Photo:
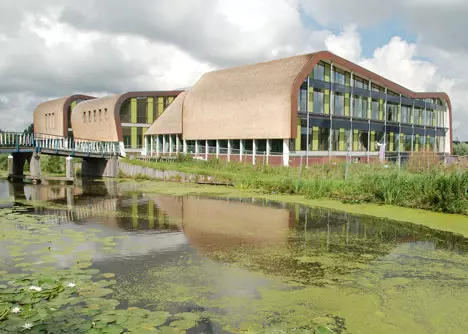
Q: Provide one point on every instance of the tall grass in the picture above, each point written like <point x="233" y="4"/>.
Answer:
<point x="437" y="189"/>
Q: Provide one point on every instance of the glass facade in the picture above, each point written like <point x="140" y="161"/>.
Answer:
<point x="351" y="113"/>
<point x="136" y="116"/>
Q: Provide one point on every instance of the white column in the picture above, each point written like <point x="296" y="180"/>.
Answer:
<point x="158" y="140"/>
<point x="217" y="149"/>
<point x="241" y="151"/>
<point x="207" y="147"/>
<point x="164" y="150"/>
<point x="286" y="152"/>
<point x="184" y="148"/>
<point x="229" y="150"/>
<point x="151" y="138"/>
<point x="170" y="144"/>
<point x="177" y="144"/>
<point x="268" y="150"/>
<point x="254" y="152"/>
<point x="196" y="147"/>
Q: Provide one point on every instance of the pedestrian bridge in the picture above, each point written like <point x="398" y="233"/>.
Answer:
<point x="99" y="157"/>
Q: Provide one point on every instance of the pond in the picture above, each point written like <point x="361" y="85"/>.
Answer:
<point x="105" y="257"/>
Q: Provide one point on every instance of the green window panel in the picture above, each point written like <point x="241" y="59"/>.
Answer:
<point x="381" y="110"/>
<point x="170" y="100"/>
<point x="310" y="106"/>
<point x="369" y="107"/>
<point x="355" y="140"/>
<point x="347" y="104"/>
<point x="134" y="140"/>
<point x="428" y="145"/>
<point x="326" y="102"/>
<point x="391" y="142"/>
<point x="399" y="113"/>
<point x="150" y="110"/>
<point x="327" y="72"/>
<point x="434" y="118"/>
<point x="133" y="110"/>
<point x="299" y="135"/>
<point x="372" y="141"/>
<point x="341" y="137"/>
<point x="347" y="79"/>
<point x="315" y="138"/>
<point x="402" y="142"/>
<point x="416" y="143"/>
<point x="160" y="105"/>
<point x="73" y="104"/>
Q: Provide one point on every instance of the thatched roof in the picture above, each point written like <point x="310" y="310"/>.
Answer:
<point x="248" y="102"/>
<point x="170" y="122"/>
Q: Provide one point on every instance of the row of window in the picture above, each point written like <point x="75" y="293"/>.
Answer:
<point x="50" y="121"/>
<point x="95" y="116"/>
<point x="158" y="105"/>
<point x="324" y="139"/>
<point x="360" y="109"/>
<point x="322" y="72"/>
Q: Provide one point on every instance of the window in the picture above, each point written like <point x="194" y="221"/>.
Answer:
<point x="142" y="110"/>
<point x="127" y="136"/>
<point x="429" y="117"/>
<point x="392" y="112"/>
<point x="304" y="135"/>
<point x="360" y="83"/>
<point x="338" y="77"/>
<point x="100" y="116"/>
<point x="94" y="116"/>
<point x="105" y="114"/>
<point x="84" y="116"/>
<point x="417" y="116"/>
<point x="302" y="104"/>
<point x="375" y="109"/>
<point x="408" y="142"/>
<point x="430" y="143"/>
<point x="376" y="88"/>
<point x="319" y="72"/>
<point x="324" y="137"/>
<point x="422" y="143"/>
<point x="338" y="104"/>
<point x="89" y="116"/>
<point x="405" y="114"/>
<point x="318" y="101"/>
<point x="359" y="107"/>
<point x="361" y="141"/>
<point x="125" y="113"/>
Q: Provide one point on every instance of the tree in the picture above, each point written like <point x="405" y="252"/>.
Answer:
<point x="460" y="149"/>
<point x="29" y="129"/>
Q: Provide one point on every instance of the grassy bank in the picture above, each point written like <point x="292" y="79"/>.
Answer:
<point x="436" y="190"/>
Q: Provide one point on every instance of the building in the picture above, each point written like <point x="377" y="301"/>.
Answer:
<point x="123" y="118"/>
<point x="297" y="109"/>
<point x="53" y="118"/>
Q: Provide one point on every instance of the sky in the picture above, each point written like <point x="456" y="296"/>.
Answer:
<point x="55" y="48"/>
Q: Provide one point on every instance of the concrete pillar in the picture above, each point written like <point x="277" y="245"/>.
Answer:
<point x="254" y="152"/>
<point x="196" y="147"/>
<point x="286" y="152"/>
<point x="70" y="198"/>
<point x="10" y="166"/>
<point x="184" y="146"/>
<point x="217" y="149"/>
<point x="229" y="150"/>
<point x="242" y="149"/>
<point x="207" y="148"/>
<point x="171" y="144"/>
<point x="268" y="150"/>
<point x="177" y="144"/>
<point x="164" y="149"/>
<point x="69" y="168"/>
<point x="97" y="167"/>
<point x="35" y="167"/>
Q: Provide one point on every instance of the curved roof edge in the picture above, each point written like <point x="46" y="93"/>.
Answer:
<point x="367" y="74"/>
<point x="62" y="104"/>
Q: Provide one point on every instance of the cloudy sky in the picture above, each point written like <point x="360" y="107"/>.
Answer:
<point x="54" y="48"/>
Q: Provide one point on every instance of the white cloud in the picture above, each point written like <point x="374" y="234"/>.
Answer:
<point x="347" y="44"/>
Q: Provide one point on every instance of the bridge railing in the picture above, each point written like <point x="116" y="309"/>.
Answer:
<point x="17" y="140"/>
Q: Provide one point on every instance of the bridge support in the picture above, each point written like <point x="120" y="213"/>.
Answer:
<point x="98" y="167"/>
<point x="16" y="163"/>
<point x="69" y="172"/>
